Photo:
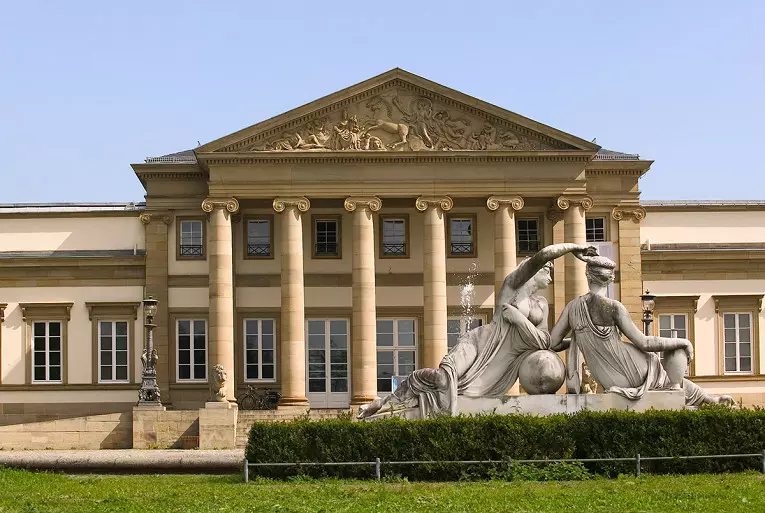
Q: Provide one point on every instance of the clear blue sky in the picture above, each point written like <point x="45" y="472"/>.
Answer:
<point x="86" y="88"/>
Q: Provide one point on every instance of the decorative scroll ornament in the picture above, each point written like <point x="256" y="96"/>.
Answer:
<point x="301" y="203"/>
<point x="372" y="202"/>
<point x="444" y="202"/>
<point x="564" y="202"/>
<point x="147" y="217"/>
<point x="515" y="202"/>
<point x="637" y="213"/>
<point x="230" y="204"/>
<point x="399" y="120"/>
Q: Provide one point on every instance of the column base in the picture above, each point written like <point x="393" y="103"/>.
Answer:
<point x="362" y="399"/>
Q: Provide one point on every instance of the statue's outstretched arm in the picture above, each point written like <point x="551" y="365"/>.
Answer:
<point x="648" y="344"/>
<point x="558" y="342"/>
<point x="546" y="254"/>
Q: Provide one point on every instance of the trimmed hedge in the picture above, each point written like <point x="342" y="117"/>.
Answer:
<point x="495" y="437"/>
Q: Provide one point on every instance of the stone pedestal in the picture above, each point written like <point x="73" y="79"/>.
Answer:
<point x="145" y="420"/>
<point x="543" y="405"/>
<point x="217" y="425"/>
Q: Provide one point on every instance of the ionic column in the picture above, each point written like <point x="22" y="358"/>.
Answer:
<point x="221" y="289"/>
<point x="434" y="278"/>
<point x="364" y="322"/>
<point x="505" y="250"/>
<point x="292" y="363"/>
<point x="630" y="261"/>
<point x="574" y="231"/>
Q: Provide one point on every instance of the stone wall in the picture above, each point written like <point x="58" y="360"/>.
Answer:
<point x="175" y="429"/>
<point x="110" y="431"/>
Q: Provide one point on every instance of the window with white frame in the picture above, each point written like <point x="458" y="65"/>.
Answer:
<point x="458" y="326"/>
<point x="595" y="229"/>
<point x="46" y="352"/>
<point x="191" y="343"/>
<point x="737" y="337"/>
<point x="259" y="349"/>
<point x="528" y="235"/>
<point x="673" y="326"/>
<point x="396" y="350"/>
<point x="191" y="239"/>
<point x="112" y="351"/>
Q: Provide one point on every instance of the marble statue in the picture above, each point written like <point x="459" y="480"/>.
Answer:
<point x="597" y="324"/>
<point x="486" y="360"/>
<point x="217" y="383"/>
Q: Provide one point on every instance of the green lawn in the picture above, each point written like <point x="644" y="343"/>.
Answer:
<point x="37" y="492"/>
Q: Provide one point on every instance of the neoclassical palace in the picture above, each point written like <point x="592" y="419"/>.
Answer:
<point x="324" y="251"/>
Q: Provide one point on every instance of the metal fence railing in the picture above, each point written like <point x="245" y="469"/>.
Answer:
<point x="377" y="463"/>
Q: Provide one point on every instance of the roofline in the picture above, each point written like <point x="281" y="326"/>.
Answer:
<point x="397" y="73"/>
<point x="702" y="205"/>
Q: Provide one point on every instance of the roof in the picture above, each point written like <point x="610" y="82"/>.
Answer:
<point x="702" y="203"/>
<point x="30" y="208"/>
<point x="181" y="157"/>
<point x="604" y="154"/>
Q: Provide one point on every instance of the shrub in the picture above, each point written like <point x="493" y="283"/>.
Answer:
<point x="496" y="437"/>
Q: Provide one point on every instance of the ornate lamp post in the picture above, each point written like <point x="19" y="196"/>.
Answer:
<point x="649" y="303"/>
<point x="149" y="393"/>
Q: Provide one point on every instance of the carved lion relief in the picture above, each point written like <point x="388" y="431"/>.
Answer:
<point x="398" y="121"/>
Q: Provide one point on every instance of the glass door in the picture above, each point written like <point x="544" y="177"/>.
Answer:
<point x="327" y="343"/>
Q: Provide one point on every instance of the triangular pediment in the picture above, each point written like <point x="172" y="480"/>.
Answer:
<point x="397" y="111"/>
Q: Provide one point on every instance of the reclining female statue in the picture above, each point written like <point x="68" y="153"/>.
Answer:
<point x="486" y="360"/>
<point x="597" y="323"/>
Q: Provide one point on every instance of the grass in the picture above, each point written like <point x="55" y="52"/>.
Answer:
<point x="22" y="491"/>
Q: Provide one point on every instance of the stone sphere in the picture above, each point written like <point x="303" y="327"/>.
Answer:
<point x="542" y="372"/>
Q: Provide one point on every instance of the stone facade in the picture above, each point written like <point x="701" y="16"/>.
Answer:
<point x="333" y="243"/>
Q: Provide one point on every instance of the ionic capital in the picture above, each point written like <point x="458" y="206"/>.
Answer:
<point x="373" y="203"/>
<point x="636" y="212"/>
<point x="147" y="217"/>
<point x="564" y="202"/>
<point x="515" y="202"/>
<point x="230" y="204"/>
<point x="301" y="203"/>
<point x="445" y="203"/>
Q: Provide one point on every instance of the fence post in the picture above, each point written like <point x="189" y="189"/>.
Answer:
<point x="637" y="464"/>
<point x="378" y="470"/>
<point x="763" y="461"/>
<point x="246" y="471"/>
<point x="509" y="461"/>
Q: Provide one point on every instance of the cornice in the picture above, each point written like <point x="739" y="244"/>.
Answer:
<point x="515" y="202"/>
<point x="64" y="307"/>
<point x="127" y="306"/>
<point x="369" y="157"/>
<point x="373" y="203"/>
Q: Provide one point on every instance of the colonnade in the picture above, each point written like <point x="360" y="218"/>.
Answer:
<point x="363" y="343"/>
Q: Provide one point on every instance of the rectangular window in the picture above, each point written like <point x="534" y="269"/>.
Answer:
<point x="191" y="349"/>
<point x="190" y="239"/>
<point x="396" y="350"/>
<point x="462" y="240"/>
<point x="259" y="238"/>
<point x="457" y="326"/>
<point x="112" y="351"/>
<point x="528" y="235"/>
<point x="326" y="240"/>
<point x="47" y="353"/>
<point x="259" y="349"/>
<point x="673" y="326"/>
<point x="737" y="337"/>
<point x="393" y="242"/>
<point x="595" y="228"/>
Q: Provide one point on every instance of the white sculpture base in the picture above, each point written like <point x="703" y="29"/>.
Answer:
<point x="542" y="405"/>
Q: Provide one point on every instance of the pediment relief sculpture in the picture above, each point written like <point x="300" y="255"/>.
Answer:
<point x="399" y="120"/>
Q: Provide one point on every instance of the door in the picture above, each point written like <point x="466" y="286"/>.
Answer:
<point x="327" y="344"/>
